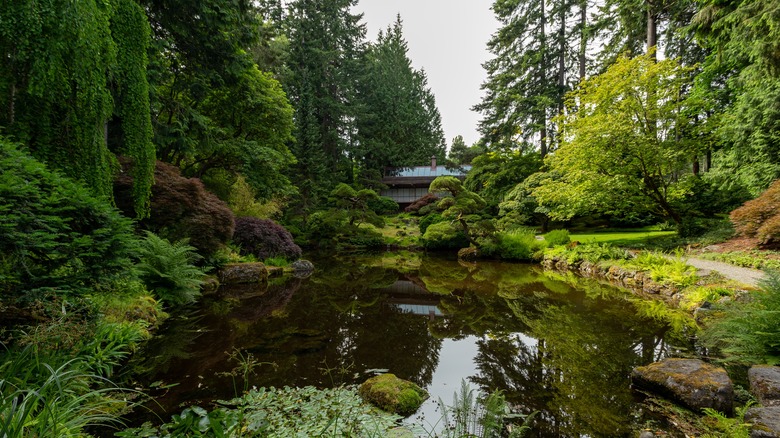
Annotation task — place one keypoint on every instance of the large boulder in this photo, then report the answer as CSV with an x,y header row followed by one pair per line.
x,y
389,393
692,382
765,421
765,384
468,254
242,273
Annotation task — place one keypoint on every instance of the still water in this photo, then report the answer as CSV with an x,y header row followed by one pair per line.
x,y
559,345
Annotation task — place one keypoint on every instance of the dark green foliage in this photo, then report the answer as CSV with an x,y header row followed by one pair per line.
x,y
326,39
264,239
429,220
461,154
425,200
53,234
383,205
443,235
557,237
168,270
215,111
181,208
398,122
495,173
749,332
60,61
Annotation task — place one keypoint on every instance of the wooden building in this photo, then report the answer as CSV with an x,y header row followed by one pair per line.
x,y
408,184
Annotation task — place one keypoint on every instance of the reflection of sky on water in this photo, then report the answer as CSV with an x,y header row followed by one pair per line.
x,y
452,369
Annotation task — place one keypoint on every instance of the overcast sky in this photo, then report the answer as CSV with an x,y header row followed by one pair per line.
x,y
448,39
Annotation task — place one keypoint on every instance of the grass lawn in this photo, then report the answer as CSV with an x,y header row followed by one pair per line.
x,y
621,237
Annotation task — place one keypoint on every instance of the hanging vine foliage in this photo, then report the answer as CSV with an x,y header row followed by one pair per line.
x,y
58,61
132,34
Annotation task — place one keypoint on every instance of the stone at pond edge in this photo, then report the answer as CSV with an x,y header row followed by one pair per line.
x,y
302,268
692,382
766,422
240,273
468,254
210,284
389,393
765,384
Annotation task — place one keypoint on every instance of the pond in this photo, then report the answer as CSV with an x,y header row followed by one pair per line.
x,y
560,345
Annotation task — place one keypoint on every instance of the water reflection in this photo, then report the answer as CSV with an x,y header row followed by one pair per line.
x,y
563,347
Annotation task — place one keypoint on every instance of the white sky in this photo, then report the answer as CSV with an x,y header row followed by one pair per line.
x,y
448,39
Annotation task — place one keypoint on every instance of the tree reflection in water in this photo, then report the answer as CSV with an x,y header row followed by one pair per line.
x,y
561,346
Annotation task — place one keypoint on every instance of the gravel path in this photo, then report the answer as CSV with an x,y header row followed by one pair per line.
x,y
743,275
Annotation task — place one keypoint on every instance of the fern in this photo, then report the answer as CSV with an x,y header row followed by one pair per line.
x,y
167,269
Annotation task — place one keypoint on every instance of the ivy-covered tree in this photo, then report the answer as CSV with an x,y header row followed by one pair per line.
x,y
624,144
73,88
398,123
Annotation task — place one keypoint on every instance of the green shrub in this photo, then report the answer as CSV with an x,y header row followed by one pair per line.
x,y
364,238
168,269
383,205
443,235
665,269
749,330
55,236
277,261
590,252
519,244
557,237
425,222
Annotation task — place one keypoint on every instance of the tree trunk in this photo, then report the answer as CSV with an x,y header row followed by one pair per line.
x,y
652,30
583,37
11,99
543,79
696,168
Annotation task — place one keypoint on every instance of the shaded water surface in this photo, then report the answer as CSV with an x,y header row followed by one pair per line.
x,y
558,345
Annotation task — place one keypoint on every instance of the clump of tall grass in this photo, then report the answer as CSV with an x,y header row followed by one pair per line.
x,y
39,397
749,332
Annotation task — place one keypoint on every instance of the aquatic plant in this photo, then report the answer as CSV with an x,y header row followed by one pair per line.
x,y
470,416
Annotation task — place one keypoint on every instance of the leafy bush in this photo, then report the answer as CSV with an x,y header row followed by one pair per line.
x,y
363,238
760,217
168,269
443,235
427,199
280,412
181,208
425,222
749,331
557,237
243,202
519,244
53,234
665,269
264,239
383,205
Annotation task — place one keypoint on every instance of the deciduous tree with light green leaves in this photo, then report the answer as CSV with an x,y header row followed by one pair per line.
x,y
625,142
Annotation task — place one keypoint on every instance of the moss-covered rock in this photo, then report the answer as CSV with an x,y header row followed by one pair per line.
x,y
392,394
241,273
692,382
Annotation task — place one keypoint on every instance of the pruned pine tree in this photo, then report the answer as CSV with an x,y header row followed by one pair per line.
x,y
398,123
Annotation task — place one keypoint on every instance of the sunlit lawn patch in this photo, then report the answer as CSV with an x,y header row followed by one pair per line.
x,y
621,237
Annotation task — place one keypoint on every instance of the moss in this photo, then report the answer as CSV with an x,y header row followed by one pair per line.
x,y
392,394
